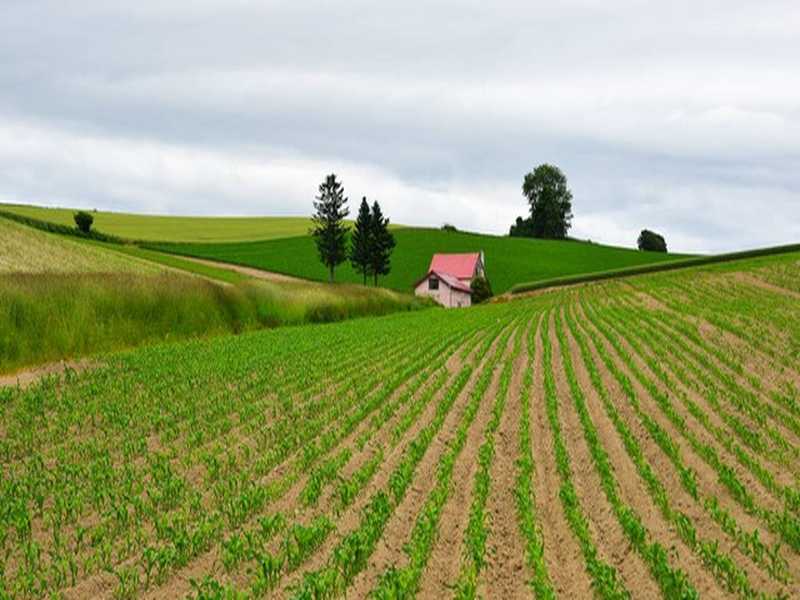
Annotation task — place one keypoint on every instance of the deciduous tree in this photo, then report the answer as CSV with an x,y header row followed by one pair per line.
x,y
652,241
550,202
83,221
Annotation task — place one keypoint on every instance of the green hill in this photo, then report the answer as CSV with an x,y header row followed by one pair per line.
x,y
174,229
27,250
508,260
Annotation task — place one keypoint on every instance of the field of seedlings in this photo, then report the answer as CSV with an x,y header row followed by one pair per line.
x,y
637,438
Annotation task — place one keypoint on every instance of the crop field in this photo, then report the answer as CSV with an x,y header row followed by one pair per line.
x,y
509,261
638,438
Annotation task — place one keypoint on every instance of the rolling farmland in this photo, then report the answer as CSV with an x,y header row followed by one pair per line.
x,y
636,438
173,228
509,261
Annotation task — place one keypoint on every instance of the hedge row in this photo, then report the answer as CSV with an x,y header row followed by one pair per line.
x,y
62,229
683,263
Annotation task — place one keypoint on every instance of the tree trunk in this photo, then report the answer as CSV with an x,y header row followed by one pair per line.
x,y
330,275
376,280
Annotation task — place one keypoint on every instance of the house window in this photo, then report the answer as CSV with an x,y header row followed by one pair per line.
x,y
433,283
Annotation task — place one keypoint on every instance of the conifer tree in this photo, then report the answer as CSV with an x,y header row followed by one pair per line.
x,y
329,230
361,241
382,243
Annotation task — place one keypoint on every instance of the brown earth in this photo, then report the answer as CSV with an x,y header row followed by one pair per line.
x,y
27,377
505,573
562,554
249,271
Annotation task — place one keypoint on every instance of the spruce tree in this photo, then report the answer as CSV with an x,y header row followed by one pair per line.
x,y
382,243
329,230
361,241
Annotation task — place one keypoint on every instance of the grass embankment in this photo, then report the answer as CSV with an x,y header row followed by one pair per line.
x,y
667,265
27,250
508,260
46,317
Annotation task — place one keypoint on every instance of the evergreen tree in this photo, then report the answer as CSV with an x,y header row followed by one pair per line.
x,y
382,243
361,241
329,230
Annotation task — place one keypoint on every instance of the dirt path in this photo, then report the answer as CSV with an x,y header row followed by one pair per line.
x,y
30,376
249,271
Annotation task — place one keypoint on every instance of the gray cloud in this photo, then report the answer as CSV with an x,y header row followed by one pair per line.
x,y
683,117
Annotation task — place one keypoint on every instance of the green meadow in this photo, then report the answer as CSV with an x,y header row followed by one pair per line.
x,y
173,228
508,260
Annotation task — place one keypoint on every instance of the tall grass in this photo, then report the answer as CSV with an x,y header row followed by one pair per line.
x,y
46,317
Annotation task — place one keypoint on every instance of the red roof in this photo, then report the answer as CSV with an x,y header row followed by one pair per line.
x,y
457,265
451,281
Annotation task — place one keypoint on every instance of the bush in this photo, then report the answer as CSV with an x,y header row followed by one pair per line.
x,y
84,221
651,241
449,227
481,290
522,228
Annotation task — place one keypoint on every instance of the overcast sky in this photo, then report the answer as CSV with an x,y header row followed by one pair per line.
x,y
683,117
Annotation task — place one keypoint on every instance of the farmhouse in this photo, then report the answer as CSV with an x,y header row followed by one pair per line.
x,y
449,277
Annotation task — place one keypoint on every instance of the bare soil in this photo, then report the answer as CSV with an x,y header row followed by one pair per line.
x,y
29,376
249,271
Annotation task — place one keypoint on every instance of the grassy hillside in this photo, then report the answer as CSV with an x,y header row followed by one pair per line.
x,y
174,229
508,260
64,297
27,250
53,316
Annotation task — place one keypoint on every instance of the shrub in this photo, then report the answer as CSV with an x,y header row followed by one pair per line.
x,y
84,221
651,241
481,290
449,227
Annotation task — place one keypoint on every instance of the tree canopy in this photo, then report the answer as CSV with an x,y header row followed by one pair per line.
x,y
83,221
652,241
328,227
550,203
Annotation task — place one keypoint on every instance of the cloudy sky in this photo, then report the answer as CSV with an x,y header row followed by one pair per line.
x,y
679,116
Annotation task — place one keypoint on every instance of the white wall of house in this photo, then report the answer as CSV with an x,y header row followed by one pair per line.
x,y
445,295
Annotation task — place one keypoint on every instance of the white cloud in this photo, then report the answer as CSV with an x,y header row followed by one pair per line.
x,y
436,109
